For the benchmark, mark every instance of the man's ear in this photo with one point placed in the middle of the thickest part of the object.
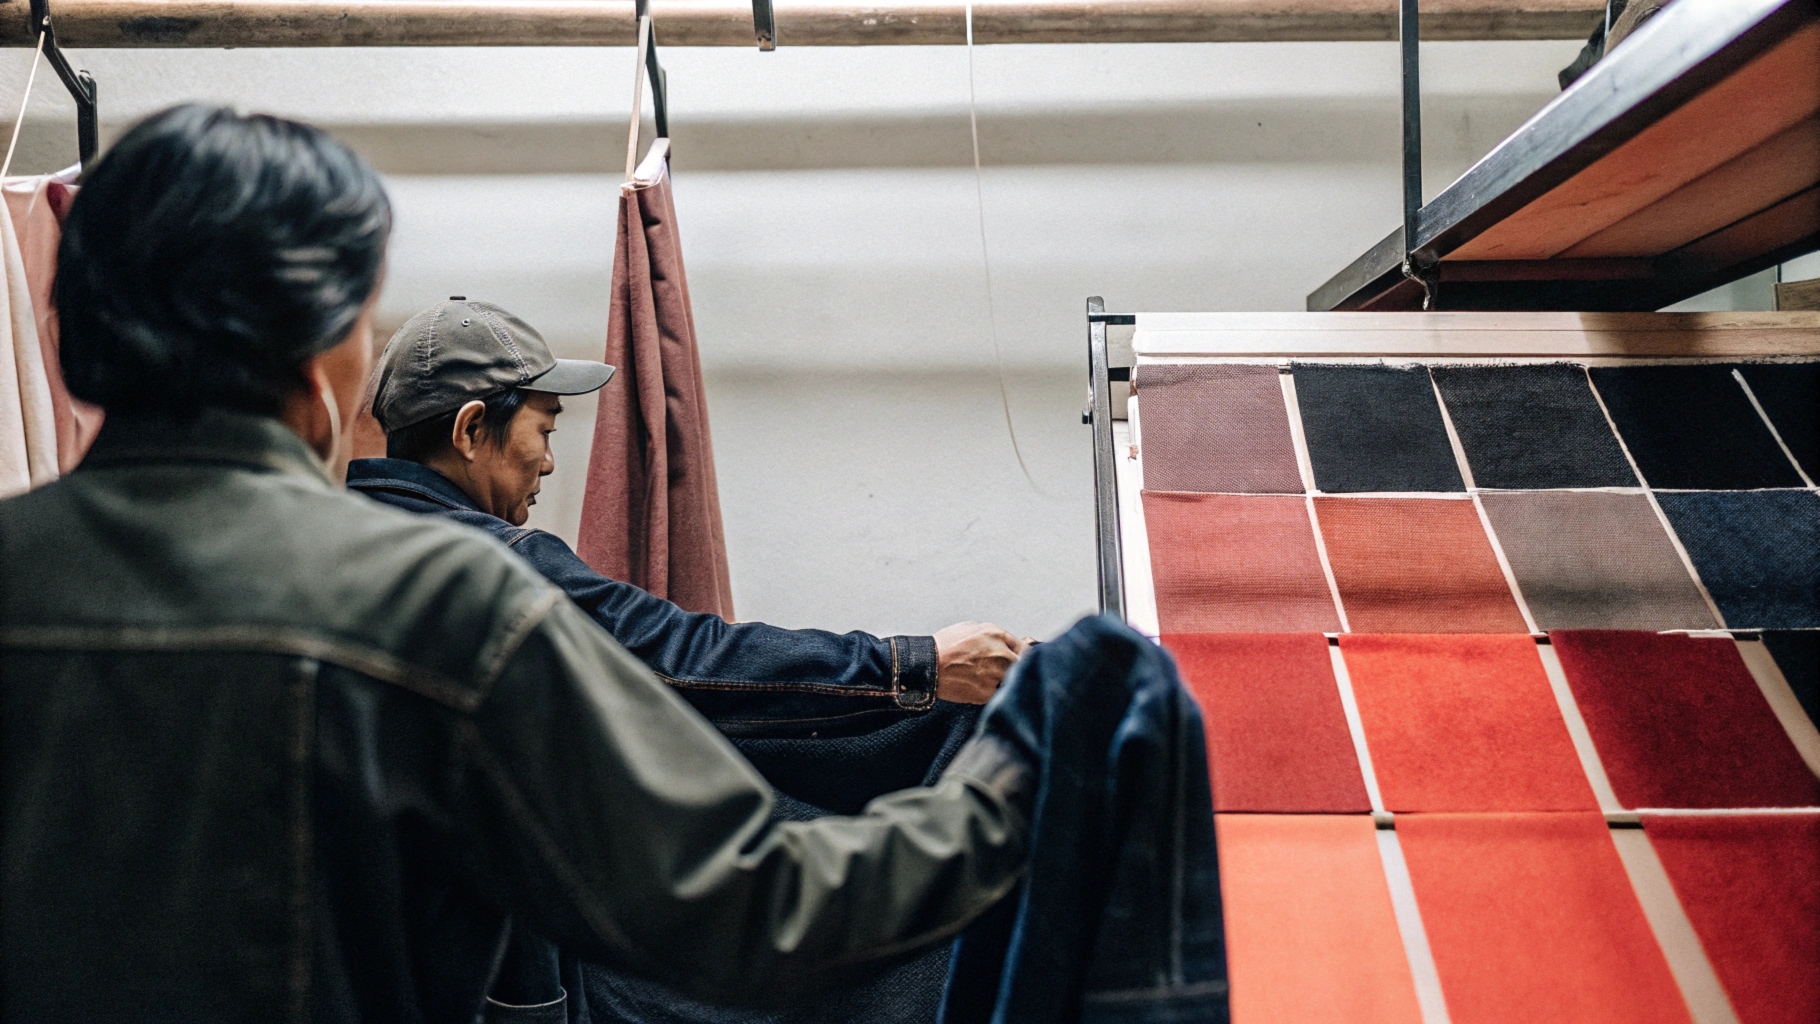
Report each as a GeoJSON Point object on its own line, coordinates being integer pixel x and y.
{"type": "Point", "coordinates": [465, 436]}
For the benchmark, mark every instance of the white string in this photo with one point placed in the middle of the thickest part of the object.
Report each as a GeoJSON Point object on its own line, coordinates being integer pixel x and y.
{"type": "Point", "coordinates": [979, 192]}
{"type": "Point", "coordinates": [23, 100]}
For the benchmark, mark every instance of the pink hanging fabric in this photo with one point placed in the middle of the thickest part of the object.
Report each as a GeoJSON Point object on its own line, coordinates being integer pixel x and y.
{"type": "Point", "coordinates": [37, 206]}
{"type": "Point", "coordinates": [651, 516]}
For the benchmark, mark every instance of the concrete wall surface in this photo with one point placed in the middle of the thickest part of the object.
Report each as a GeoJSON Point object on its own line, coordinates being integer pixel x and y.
{"type": "Point", "coordinates": [833, 230]}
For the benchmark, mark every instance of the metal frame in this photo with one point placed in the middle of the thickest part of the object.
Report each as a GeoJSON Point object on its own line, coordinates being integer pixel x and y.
{"type": "Point", "coordinates": [1098, 415]}
{"type": "Point", "coordinates": [764, 24]}
{"type": "Point", "coordinates": [1655, 74]}
{"type": "Point", "coordinates": [81, 84]}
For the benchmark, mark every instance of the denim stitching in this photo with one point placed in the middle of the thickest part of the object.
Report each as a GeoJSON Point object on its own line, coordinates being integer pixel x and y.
{"type": "Point", "coordinates": [499, 332]}
{"type": "Point", "coordinates": [734, 686]}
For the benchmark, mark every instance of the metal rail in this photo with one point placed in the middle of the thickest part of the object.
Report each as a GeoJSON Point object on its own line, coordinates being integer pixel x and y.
{"type": "Point", "coordinates": [1098, 415]}
{"type": "Point", "coordinates": [288, 23]}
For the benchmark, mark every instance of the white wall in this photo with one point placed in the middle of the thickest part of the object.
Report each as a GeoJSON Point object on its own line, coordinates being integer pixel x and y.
{"type": "Point", "coordinates": [828, 206]}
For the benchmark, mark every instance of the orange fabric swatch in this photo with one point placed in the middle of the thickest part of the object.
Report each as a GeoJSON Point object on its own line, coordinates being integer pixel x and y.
{"type": "Point", "coordinates": [1310, 934]}
{"type": "Point", "coordinates": [1276, 732]}
{"type": "Point", "coordinates": [1751, 887]}
{"type": "Point", "coordinates": [1415, 565]}
{"type": "Point", "coordinates": [1464, 723]}
{"type": "Point", "coordinates": [1532, 918]}
{"type": "Point", "coordinates": [1236, 563]}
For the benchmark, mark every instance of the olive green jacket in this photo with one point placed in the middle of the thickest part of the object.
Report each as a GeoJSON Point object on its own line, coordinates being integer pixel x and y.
{"type": "Point", "coordinates": [270, 751]}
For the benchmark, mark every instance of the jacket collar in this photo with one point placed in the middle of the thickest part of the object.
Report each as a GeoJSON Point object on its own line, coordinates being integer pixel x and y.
{"type": "Point", "coordinates": [409, 477]}
{"type": "Point", "coordinates": [213, 435]}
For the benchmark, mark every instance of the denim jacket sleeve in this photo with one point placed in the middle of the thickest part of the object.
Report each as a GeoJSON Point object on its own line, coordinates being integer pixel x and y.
{"type": "Point", "coordinates": [740, 669]}
{"type": "Point", "coordinates": [624, 826]}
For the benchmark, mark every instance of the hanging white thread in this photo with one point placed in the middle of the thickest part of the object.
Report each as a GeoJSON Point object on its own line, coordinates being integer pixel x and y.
{"type": "Point", "coordinates": [23, 100]}
{"type": "Point", "coordinates": [979, 192]}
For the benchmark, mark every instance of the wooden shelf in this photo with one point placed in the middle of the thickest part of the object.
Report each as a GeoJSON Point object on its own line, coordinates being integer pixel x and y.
{"type": "Point", "coordinates": [1687, 158]}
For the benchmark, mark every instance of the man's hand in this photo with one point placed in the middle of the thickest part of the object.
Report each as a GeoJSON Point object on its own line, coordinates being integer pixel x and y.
{"type": "Point", "coordinates": [971, 659]}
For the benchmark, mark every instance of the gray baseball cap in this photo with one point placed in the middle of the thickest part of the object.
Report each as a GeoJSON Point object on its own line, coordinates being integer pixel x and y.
{"type": "Point", "coordinates": [459, 351]}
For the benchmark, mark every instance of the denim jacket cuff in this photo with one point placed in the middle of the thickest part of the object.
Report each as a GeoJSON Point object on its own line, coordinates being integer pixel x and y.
{"type": "Point", "coordinates": [913, 665]}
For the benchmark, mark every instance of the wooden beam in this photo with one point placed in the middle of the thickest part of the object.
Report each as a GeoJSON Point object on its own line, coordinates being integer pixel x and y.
{"type": "Point", "coordinates": [308, 23]}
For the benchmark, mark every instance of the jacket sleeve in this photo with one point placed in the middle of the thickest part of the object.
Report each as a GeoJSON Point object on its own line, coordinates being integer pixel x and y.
{"type": "Point", "coordinates": [620, 823]}
{"type": "Point", "coordinates": [698, 651]}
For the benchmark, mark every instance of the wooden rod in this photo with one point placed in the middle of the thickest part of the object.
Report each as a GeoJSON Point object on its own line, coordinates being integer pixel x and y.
{"type": "Point", "coordinates": [290, 23]}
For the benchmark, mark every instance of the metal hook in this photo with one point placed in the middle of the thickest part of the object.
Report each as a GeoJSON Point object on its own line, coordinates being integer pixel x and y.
{"type": "Point", "coordinates": [764, 24]}
{"type": "Point", "coordinates": [81, 85]}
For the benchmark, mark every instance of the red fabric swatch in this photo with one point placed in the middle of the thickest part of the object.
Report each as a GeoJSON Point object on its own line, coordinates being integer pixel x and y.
{"type": "Point", "coordinates": [1415, 565]}
{"type": "Point", "coordinates": [1532, 918]}
{"type": "Point", "coordinates": [1310, 933]}
{"type": "Point", "coordinates": [1236, 563]}
{"type": "Point", "coordinates": [1679, 722]}
{"type": "Point", "coordinates": [1276, 732]}
{"type": "Point", "coordinates": [1464, 723]}
{"type": "Point", "coordinates": [1751, 887]}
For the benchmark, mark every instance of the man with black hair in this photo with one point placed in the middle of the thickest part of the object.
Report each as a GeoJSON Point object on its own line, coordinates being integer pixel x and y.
{"type": "Point", "coordinates": [272, 752]}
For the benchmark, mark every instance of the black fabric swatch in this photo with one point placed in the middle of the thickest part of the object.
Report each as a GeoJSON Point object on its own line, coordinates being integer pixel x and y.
{"type": "Point", "coordinates": [1797, 654]}
{"type": "Point", "coordinates": [1374, 428]}
{"type": "Point", "coordinates": [1692, 427]}
{"type": "Point", "coordinates": [1758, 552]}
{"type": "Point", "coordinates": [1790, 394]}
{"type": "Point", "coordinates": [1532, 427]}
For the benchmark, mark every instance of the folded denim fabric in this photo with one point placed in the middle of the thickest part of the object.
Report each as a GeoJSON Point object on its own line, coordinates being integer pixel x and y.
{"type": "Point", "coordinates": [1118, 918]}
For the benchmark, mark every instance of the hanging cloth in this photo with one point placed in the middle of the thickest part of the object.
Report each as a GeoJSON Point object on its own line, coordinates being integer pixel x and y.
{"type": "Point", "coordinates": [28, 421]}
{"type": "Point", "coordinates": [651, 516]}
{"type": "Point", "coordinates": [37, 206]}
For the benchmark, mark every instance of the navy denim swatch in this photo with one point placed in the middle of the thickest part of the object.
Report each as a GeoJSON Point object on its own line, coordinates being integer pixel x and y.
{"type": "Point", "coordinates": [1693, 428]}
{"type": "Point", "coordinates": [1797, 654]}
{"type": "Point", "coordinates": [1532, 427]}
{"type": "Point", "coordinates": [1790, 393]}
{"type": "Point", "coordinates": [1118, 919]}
{"type": "Point", "coordinates": [1758, 552]}
{"type": "Point", "coordinates": [1374, 428]}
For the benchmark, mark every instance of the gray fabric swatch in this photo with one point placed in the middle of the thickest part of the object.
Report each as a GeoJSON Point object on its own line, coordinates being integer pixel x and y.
{"type": "Point", "coordinates": [1595, 560]}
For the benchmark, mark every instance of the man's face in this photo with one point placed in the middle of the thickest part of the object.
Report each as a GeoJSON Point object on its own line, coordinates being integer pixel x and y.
{"type": "Point", "coordinates": [514, 471]}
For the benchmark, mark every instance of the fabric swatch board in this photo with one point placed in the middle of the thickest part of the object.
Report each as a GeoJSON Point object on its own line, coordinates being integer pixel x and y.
{"type": "Point", "coordinates": [1415, 565]}
{"type": "Point", "coordinates": [1797, 654]}
{"type": "Point", "coordinates": [1236, 563]}
{"type": "Point", "coordinates": [1787, 391]}
{"type": "Point", "coordinates": [1374, 428]}
{"type": "Point", "coordinates": [1758, 552]}
{"type": "Point", "coordinates": [1692, 428]}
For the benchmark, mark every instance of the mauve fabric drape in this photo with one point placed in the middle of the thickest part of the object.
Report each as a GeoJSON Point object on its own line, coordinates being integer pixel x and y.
{"type": "Point", "coordinates": [651, 516]}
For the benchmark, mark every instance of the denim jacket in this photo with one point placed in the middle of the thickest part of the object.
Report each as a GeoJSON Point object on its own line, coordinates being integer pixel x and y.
{"type": "Point", "coordinates": [747, 678]}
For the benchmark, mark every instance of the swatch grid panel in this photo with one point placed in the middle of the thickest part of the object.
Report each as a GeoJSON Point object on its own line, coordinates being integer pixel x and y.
{"type": "Point", "coordinates": [1508, 674]}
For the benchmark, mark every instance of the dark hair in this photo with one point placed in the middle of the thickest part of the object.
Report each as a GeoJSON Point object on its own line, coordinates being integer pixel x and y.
{"type": "Point", "coordinates": [419, 441]}
{"type": "Point", "coordinates": [209, 255]}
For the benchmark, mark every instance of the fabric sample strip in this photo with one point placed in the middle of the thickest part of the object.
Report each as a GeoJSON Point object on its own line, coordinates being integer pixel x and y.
{"type": "Point", "coordinates": [1310, 933]}
{"type": "Point", "coordinates": [1751, 888]}
{"type": "Point", "coordinates": [1236, 563]}
{"type": "Point", "coordinates": [1790, 396]}
{"type": "Point", "coordinates": [1415, 565]}
{"type": "Point", "coordinates": [1595, 560]}
{"type": "Point", "coordinates": [1692, 427]}
{"type": "Point", "coordinates": [1463, 723]}
{"type": "Point", "coordinates": [1532, 427]}
{"type": "Point", "coordinates": [1758, 552]}
{"type": "Point", "coordinates": [1797, 654]}
{"type": "Point", "coordinates": [1276, 733]}
{"type": "Point", "coordinates": [1680, 722]}
{"type": "Point", "coordinates": [1374, 428]}
{"type": "Point", "coordinates": [1532, 918]}
{"type": "Point", "coordinates": [1217, 428]}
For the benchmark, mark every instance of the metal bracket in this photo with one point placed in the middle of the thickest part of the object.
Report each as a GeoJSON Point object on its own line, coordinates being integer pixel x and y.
{"type": "Point", "coordinates": [660, 82]}
{"type": "Point", "coordinates": [764, 24]}
{"type": "Point", "coordinates": [81, 85]}
{"type": "Point", "coordinates": [1105, 483]}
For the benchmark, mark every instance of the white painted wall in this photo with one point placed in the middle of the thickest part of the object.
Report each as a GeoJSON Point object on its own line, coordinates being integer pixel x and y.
{"type": "Point", "coordinates": [828, 206]}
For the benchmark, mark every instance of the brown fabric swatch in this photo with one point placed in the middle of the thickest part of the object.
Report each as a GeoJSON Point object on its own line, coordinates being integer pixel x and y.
{"type": "Point", "coordinates": [1215, 428]}
{"type": "Point", "coordinates": [651, 516]}
{"type": "Point", "coordinates": [1236, 563]}
{"type": "Point", "coordinates": [1593, 560]}
{"type": "Point", "coordinates": [1415, 565]}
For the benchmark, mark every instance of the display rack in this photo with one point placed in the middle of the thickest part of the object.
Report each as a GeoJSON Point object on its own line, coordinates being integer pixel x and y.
{"type": "Point", "coordinates": [1685, 159]}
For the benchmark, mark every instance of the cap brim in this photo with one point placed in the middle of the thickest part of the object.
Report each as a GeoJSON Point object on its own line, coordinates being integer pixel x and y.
{"type": "Point", "coordinates": [571, 377]}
